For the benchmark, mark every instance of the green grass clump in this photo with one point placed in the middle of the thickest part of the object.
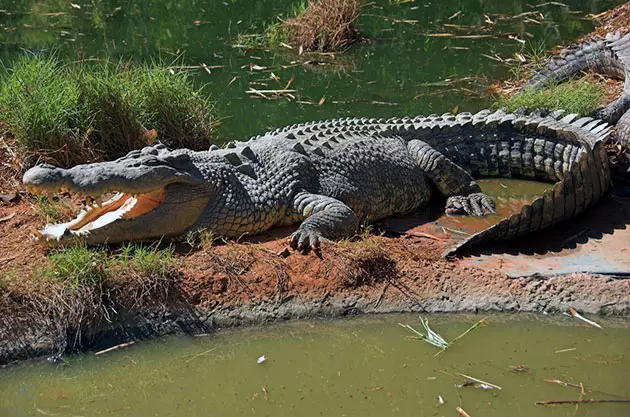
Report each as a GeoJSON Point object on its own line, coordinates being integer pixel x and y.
{"type": "Point", "coordinates": [81, 288]}
{"type": "Point", "coordinates": [182, 115]}
{"type": "Point", "coordinates": [39, 105]}
{"type": "Point", "coordinates": [69, 114]}
{"type": "Point", "coordinates": [272, 36]}
{"type": "Point", "coordinates": [53, 211]}
{"type": "Point", "coordinates": [575, 97]}
{"type": "Point", "coordinates": [535, 54]}
{"type": "Point", "coordinates": [148, 261]}
{"type": "Point", "coordinates": [77, 266]}
{"type": "Point", "coordinates": [113, 119]}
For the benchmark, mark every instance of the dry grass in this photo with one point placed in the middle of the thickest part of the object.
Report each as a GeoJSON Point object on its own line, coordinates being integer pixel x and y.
{"type": "Point", "coordinates": [325, 25]}
{"type": "Point", "coordinates": [72, 299]}
{"type": "Point", "coordinates": [616, 19]}
{"type": "Point", "coordinates": [231, 265]}
{"type": "Point", "coordinates": [10, 168]}
{"type": "Point", "coordinates": [365, 262]}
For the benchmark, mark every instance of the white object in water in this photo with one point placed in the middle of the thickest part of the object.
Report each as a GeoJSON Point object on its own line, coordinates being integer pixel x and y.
{"type": "Point", "coordinates": [261, 359]}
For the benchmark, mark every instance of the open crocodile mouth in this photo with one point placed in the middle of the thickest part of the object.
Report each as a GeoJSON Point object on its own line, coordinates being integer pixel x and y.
{"type": "Point", "coordinates": [121, 206]}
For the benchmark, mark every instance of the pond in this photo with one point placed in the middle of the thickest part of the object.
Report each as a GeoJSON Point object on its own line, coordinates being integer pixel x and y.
{"type": "Point", "coordinates": [415, 58]}
{"type": "Point", "coordinates": [352, 367]}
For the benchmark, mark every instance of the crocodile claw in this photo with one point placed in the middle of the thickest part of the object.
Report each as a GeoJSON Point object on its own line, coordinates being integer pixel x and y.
{"type": "Point", "coordinates": [477, 204]}
{"type": "Point", "coordinates": [305, 240]}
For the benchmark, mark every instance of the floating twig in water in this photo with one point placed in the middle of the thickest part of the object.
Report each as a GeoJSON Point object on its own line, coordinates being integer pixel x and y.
{"type": "Point", "coordinates": [587, 401]}
{"type": "Point", "coordinates": [122, 345]}
{"type": "Point", "coordinates": [201, 354]}
{"type": "Point", "coordinates": [254, 91]}
{"type": "Point", "coordinates": [462, 412]}
{"type": "Point", "coordinates": [584, 319]}
{"type": "Point", "coordinates": [411, 22]}
{"type": "Point", "coordinates": [563, 383]}
{"type": "Point", "coordinates": [483, 384]}
{"type": "Point", "coordinates": [551, 3]}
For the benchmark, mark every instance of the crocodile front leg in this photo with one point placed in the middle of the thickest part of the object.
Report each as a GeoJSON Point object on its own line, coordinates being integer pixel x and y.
{"type": "Point", "coordinates": [326, 218]}
{"type": "Point", "coordinates": [463, 194]}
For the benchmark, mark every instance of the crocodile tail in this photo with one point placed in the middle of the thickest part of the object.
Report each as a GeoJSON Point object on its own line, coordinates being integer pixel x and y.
{"type": "Point", "coordinates": [582, 184]}
{"type": "Point", "coordinates": [617, 111]}
{"type": "Point", "coordinates": [596, 54]}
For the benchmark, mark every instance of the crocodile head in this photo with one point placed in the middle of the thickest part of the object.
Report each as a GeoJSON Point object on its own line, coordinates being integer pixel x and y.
{"type": "Point", "coordinates": [150, 194]}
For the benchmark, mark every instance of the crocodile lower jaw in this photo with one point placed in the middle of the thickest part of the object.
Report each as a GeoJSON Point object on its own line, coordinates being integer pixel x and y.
{"type": "Point", "coordinates": [121, 207]}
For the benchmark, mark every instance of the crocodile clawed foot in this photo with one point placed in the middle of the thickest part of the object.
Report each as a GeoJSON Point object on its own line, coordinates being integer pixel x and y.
{"type": "Point", "coordinates": [477, 204]}
{"type": "Point", "coordinates": [305, 240]}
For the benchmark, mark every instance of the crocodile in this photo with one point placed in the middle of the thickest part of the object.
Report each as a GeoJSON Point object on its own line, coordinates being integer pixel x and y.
{"type": "Point", "coordinates": [336, 175]}
{"type": "Point", "coordinates": [609, 56]}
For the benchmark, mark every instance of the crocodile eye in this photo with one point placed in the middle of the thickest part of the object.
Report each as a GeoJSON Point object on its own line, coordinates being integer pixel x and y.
{"type": "Point", "coordinates": [177, 160]}
{"type": "Point", "coordinates": [152, 162]}
{"type": "Point", "coordinates": [131, 155]}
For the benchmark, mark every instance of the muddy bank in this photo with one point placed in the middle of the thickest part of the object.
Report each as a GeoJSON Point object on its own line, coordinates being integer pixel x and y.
{"type": "Point", "coordinates": [248, 284]}
{"type": "Point", "coordinates": [443, 293]}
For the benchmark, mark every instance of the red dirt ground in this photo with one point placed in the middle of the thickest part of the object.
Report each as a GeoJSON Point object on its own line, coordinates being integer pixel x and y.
{"type": "Point", "coordinates": [380, 273]}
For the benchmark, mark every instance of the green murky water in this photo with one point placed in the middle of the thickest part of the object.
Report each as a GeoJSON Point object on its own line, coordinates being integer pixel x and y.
{"type": "Point", "coordinates": [398, 70]}
{"type": "Point", "coordinates": [356, 367]}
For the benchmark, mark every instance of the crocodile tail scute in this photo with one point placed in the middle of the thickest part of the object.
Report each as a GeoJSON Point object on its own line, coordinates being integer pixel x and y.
{"type": "Point", "coordinates": [586, 180]}
{"type": "Point", "coordinates": [596, 54]}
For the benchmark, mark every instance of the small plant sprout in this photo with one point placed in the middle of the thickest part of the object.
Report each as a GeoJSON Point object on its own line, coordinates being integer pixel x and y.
{"type": "Point", "coordinates": [434, 338]}
{"type": "Point", "coordinates": [431, 337]}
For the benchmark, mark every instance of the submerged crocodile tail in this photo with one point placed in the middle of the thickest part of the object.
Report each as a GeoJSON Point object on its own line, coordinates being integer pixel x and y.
{"type": "Point", "coordinates": [597, 55]}
{"type": "Point", "coordinates": [584, 179]}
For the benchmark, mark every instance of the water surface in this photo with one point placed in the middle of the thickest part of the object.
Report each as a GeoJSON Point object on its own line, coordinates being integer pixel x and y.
{"type": "Point", "coordinates": [356, 367]}
{"type": "Point", "coordinates": [400, 68]}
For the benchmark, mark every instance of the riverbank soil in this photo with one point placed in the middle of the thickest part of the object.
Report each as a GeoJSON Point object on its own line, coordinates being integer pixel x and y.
{"type": "Point", "coordinates": [397, 266]}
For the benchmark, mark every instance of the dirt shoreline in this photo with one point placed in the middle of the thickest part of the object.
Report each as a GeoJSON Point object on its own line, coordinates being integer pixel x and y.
{"type": "Point", "coordinates": [319, 290]}
{"type": "Point", "coordinates": [580, 291]}
{"type": "Point", "coordinates": [247, 283]}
